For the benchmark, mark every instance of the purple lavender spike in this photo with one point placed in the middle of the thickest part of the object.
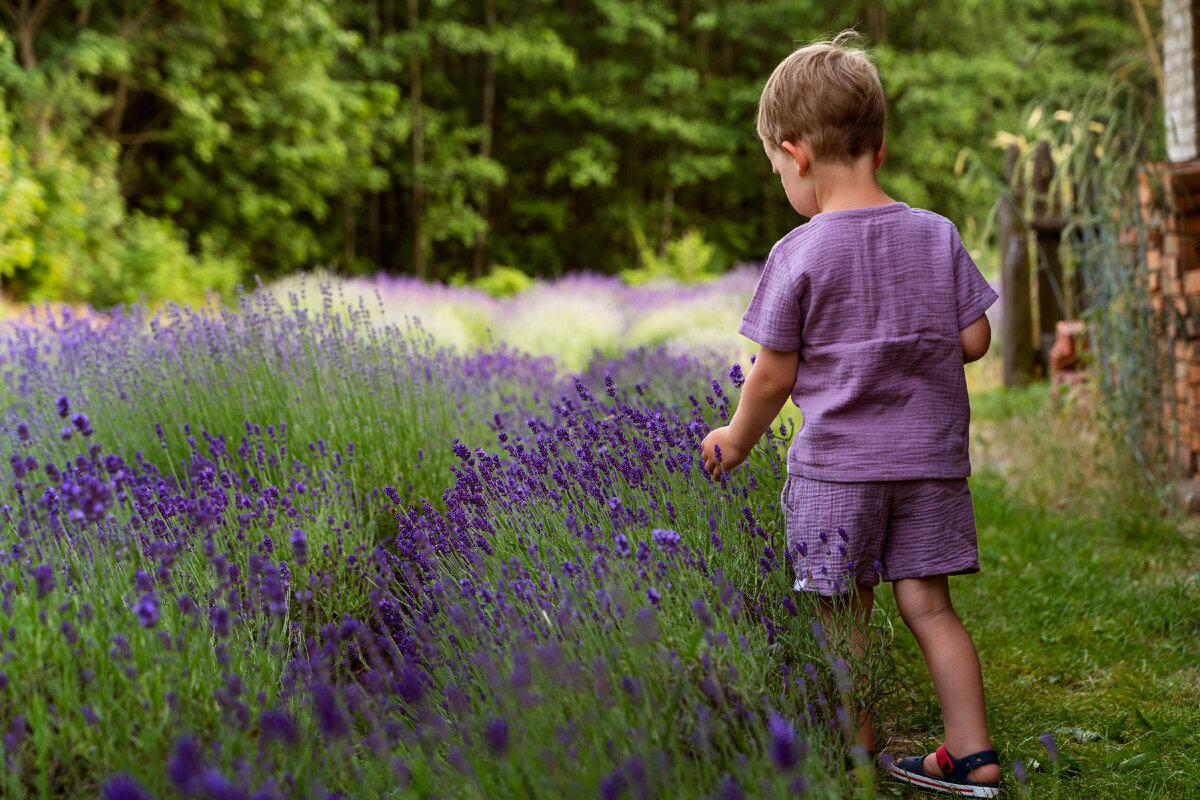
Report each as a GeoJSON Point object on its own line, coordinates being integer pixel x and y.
{"type": "Point", "coordinates": [123, 787]}
{"type": "Point", "coordinates": [186, 765]}
{"type": "Point", "coordinates": [783, 742]}
{"type": "Point", "coordinates": [496, 735]}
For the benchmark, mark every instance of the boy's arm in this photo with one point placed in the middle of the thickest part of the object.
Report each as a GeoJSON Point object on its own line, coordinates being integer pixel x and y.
{"type": "Point", "coordinates": [766, 389]}
{"type": "Point", "coordinates": [976, 339]}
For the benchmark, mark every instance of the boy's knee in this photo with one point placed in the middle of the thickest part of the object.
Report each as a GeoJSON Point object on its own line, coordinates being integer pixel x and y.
{"type": "Point", "coordinates": [921, 601]}
{"type": "Point", "coordinates": [918, 616]}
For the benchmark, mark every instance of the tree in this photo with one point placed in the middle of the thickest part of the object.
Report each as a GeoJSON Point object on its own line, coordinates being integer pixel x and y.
{"type": "Point", "coordinates": [445, 137]}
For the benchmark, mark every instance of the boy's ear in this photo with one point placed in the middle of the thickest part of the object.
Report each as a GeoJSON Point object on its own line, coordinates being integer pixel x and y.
{"type": "Point", "coordinates": [880, 154]}
{"type": "Point", "coordinates": [799, 153]}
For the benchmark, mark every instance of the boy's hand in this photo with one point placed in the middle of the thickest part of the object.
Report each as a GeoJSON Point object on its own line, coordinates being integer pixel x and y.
{"type": "Point", "coordinates": [766, 389]}
{"type": "Point", "coordinates": [730, 454]}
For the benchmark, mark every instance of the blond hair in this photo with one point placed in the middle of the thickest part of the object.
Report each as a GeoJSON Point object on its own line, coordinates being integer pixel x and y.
{"type": "Point", "coordinates": [829, 95]}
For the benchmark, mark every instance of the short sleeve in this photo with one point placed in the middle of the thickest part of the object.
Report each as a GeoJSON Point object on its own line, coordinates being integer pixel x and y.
{"type": "Point", "coordinates": [975, 295]}
{"type": "Point", "coordinates": [773, 318]}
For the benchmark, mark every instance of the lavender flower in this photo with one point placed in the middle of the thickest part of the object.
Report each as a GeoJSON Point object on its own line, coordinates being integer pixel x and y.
{"type": "Point", "coordinates": [612, 785]}
{"type": "Point", "coordinates": [1022, 776]}
{"type": "Point", "coordinates": [220, 621]}
{"type": "Point", "coordinates": [819, 635]}
{"type": "Point", "coordinates": [645, 626]}
{"type": "Point", "coordinates": [143, 581]}
{"type": "Point", "coordinates": [16, 734]}
{"type": "Point", "coordinates": [82, 424]}
{"type": "Point", "coordinates": [216, 786]}
{"type": "Point", "coordinates": [783, 742]}
{"type": "Point", "coordinates": [278, 726]}
{"type": "Point", "coordinates": [621, 545]}
{"type": "Point", "coordinates": [123, 787]}
{"type": "Point", "coordinates": [186, 765]}
{"type": "Point", "coordinates": [330, 718]}
{"type": "Point", "coordinates": [147, 610]}
{"type": "Point", "coordinates": [1050, 745]}
{"type": "Point", "coordinates": [496, 735]}
{"type": "Point", "coordinates": [633, 688]}
{"type": "Point", "coordinates": [730, 790]}
{"type": "Point", "coordinates": [43, 575]}
{"type": "Point", "coordinates": [299, 546]}
{"type": "Point", "coordinates": [666, 539]}
{"type": "Point", "coordinates": [64, 405]}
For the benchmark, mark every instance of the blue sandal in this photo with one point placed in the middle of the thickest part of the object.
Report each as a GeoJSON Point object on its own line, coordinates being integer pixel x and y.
{"type": "Point", "coordinates": [912, 770]}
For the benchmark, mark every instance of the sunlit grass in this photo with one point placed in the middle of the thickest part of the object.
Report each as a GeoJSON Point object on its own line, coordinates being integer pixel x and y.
{"type": "Point", "coordinates": [1085, 612]}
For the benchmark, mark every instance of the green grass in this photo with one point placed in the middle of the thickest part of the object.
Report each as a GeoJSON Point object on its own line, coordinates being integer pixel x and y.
{"type": "Point", "coordinates": [1086, 614]}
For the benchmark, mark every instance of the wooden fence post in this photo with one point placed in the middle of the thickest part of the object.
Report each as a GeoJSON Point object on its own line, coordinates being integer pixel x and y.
{"type": "Point", "coordinates": [1017, 321]}
{"type": "Point", "coordinates": [1048, 223]}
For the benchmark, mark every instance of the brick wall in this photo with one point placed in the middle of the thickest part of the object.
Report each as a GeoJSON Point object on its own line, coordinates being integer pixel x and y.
{"type": "Point", "coordinates": [1170, 202]}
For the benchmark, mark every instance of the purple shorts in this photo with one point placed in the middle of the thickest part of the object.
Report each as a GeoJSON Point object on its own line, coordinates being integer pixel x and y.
{"type": "Point", "coordinates": [858, 533]}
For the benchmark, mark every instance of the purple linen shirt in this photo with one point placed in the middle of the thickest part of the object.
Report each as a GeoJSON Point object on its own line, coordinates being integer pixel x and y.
{"type": "Point", "coordinates": [874, 299]}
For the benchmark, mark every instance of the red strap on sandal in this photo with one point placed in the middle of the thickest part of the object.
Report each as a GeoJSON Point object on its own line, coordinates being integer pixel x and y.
{"type": "Point", "coordinates": [943, 759]}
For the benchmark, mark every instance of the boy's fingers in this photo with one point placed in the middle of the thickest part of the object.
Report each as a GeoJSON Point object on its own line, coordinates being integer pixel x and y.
{"type": "Point", "coordinates": [711, 465]}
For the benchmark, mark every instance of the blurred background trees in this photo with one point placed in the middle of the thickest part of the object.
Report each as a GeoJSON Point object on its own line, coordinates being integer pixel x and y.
{"type": "Point", "coordinates": [159, 147]}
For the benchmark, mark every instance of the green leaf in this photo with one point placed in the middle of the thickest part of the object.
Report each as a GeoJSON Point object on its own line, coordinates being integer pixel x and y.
{"type": "Point", "coordinates": [1080, 734]}
{"type": "Point", "coordinates": [1136, 762]}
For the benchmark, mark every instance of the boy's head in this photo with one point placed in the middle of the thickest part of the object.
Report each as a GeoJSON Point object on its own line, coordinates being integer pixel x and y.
{"type": "Point", "coordinates": [827, 94]}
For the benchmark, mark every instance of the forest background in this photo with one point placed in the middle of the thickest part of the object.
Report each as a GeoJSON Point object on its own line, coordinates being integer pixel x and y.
{"type": "Point", "coordinates": [158, 149]}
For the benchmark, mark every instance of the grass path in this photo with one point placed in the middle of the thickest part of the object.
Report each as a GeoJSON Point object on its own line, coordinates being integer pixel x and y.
{"type": "Point", "coordinates": [1086, 614]}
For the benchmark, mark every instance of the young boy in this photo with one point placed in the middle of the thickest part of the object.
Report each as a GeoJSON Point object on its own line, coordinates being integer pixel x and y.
{"type": "Point", "coordinates": [865, 317]}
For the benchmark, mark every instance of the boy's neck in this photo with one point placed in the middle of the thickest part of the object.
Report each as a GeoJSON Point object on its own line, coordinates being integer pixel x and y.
{"type": "Point", "coordinates": [840, 186]}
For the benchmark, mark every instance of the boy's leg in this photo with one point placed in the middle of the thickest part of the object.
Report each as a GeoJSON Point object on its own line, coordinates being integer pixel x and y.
{"type": "Point", "coordinates": [835, 535]}
{"type": "Point", "coordinates": [924, 605]}
{"type": "Point", "coordinates": [833, 609]}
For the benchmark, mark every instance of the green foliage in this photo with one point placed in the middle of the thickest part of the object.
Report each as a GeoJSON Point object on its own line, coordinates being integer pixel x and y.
{"type": "Point", "coordinates": [21, 202]}
{"type": "Point", "coordinates": [65, 230]}
{"type": "Point", "coordinates": [501, 281]}
{"type": "Point", "coordinates": [152, 261]}
{"type": "Point", "coordinates": [361, 136]}
{"type": "Point", "coordinates": [686, 260]}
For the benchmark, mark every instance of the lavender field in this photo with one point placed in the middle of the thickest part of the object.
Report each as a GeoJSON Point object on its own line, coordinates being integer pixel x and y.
{"type": "Point", "coordinates": [307, 549]}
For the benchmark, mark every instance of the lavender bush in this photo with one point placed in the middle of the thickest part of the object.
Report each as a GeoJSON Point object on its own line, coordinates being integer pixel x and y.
{"type": "Point", "coordinates": [282, 553]}
{"type": "Point", "coordinates": [567, 319]}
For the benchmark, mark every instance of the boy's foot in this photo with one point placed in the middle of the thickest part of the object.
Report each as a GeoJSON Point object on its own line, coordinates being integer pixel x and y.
{"type": "Point", "coordinates": [860, 765]}
{"type": "Point", "coordinates": [987, 773]}
{"type": "Point", "coordinates": [976, 775]}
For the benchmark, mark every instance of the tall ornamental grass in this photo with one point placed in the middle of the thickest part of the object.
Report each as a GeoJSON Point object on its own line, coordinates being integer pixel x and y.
{"type": "Point", "coordinates": [218, 582]}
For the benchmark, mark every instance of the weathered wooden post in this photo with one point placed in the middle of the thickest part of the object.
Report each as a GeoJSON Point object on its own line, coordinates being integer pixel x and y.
{"type": "Point", "coordinates": [1048, 223]}
{"type": "Point", "coordinates": [1083, 238]}
{"type": "Point", "coordinates": [1181, 72]}
{"type": "Point", "coordinates": [1017, 323]}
